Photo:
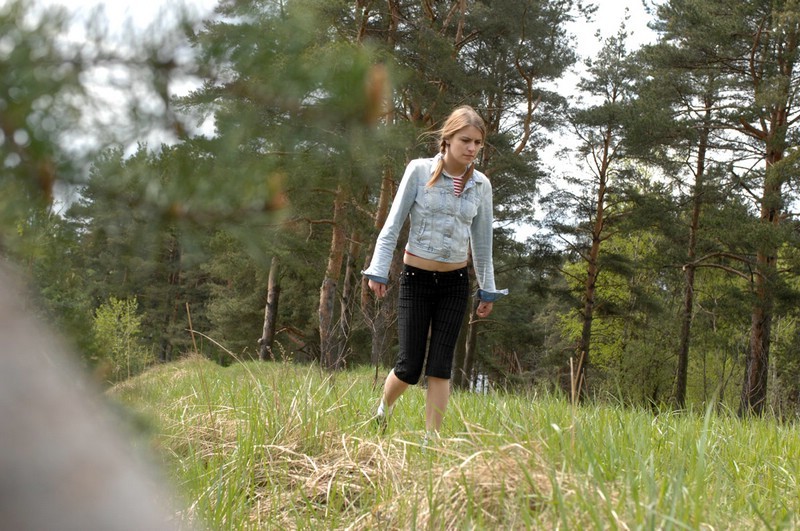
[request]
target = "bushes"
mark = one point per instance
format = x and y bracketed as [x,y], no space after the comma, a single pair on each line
[120,351]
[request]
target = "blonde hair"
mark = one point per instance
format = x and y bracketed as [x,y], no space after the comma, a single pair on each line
[460,118]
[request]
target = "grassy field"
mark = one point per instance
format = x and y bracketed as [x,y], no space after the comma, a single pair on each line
[281,446]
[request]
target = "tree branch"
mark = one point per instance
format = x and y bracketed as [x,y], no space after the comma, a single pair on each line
[720,254]
[727,269]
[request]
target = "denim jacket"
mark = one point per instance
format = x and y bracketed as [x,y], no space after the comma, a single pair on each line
[442,225]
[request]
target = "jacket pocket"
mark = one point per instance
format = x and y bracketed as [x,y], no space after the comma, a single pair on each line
[434,199]
[468,207]
[421,236]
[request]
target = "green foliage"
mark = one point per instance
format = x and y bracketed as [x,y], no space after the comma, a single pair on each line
[237,290]
[40,92]
[274,445]
[132,246]
[307,97]
[49,252]
[117,339]
[287,97]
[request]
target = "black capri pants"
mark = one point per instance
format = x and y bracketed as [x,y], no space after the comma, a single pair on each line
[434,302]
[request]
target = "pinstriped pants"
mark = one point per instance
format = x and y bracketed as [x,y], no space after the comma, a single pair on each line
[430,304]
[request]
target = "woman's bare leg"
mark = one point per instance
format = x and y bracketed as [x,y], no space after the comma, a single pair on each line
[436,403]
[392,389]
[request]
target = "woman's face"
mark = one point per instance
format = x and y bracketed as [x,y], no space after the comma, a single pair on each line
[463,146]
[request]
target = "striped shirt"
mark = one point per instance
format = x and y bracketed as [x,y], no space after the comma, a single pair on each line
[458,184]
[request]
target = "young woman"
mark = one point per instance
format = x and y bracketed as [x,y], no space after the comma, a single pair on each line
[450,206]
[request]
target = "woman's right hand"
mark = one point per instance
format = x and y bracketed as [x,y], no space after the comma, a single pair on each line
[378,288]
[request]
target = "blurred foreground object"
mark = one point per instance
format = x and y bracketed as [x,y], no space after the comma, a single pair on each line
[63,462]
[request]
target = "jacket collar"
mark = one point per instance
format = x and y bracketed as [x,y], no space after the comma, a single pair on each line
[467,185]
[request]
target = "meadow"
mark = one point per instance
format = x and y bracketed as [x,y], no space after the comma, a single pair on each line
[283,446]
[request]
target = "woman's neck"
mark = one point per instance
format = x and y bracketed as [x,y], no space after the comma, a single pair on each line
[454,170]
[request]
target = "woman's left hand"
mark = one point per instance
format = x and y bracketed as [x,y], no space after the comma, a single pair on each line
[484,309]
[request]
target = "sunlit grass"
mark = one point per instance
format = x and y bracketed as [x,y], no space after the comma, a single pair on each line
[273,445]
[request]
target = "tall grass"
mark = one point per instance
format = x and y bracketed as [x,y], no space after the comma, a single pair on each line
[273,445]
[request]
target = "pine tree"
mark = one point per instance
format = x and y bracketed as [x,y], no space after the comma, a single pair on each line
[592,197]
[753,47]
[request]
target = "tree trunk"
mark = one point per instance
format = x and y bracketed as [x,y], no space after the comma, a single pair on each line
[459,376]
[379,314]
[471,350]
[327,297]
[593,268]
[395,18]
[690,268]
[754,386]
[590,289]
[686,326]
[270,312]
[363,15]
[348,289]
[383,315]
[172,259]
[589,293]
[780,48]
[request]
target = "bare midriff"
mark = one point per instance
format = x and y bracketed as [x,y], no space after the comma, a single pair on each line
[431,265]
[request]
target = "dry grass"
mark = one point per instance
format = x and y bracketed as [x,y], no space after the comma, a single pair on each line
[370,482]
[269,446]
[492,483]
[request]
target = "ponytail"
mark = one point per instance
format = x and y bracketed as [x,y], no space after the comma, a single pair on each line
[437,172]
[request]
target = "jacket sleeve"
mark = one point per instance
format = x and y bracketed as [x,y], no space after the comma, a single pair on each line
[378,269]
[481,236]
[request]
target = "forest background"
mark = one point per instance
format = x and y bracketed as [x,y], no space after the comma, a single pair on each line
[661,268]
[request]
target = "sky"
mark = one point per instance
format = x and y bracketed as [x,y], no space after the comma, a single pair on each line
[609,16]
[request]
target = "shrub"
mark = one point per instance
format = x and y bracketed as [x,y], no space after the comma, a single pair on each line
[116,329]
